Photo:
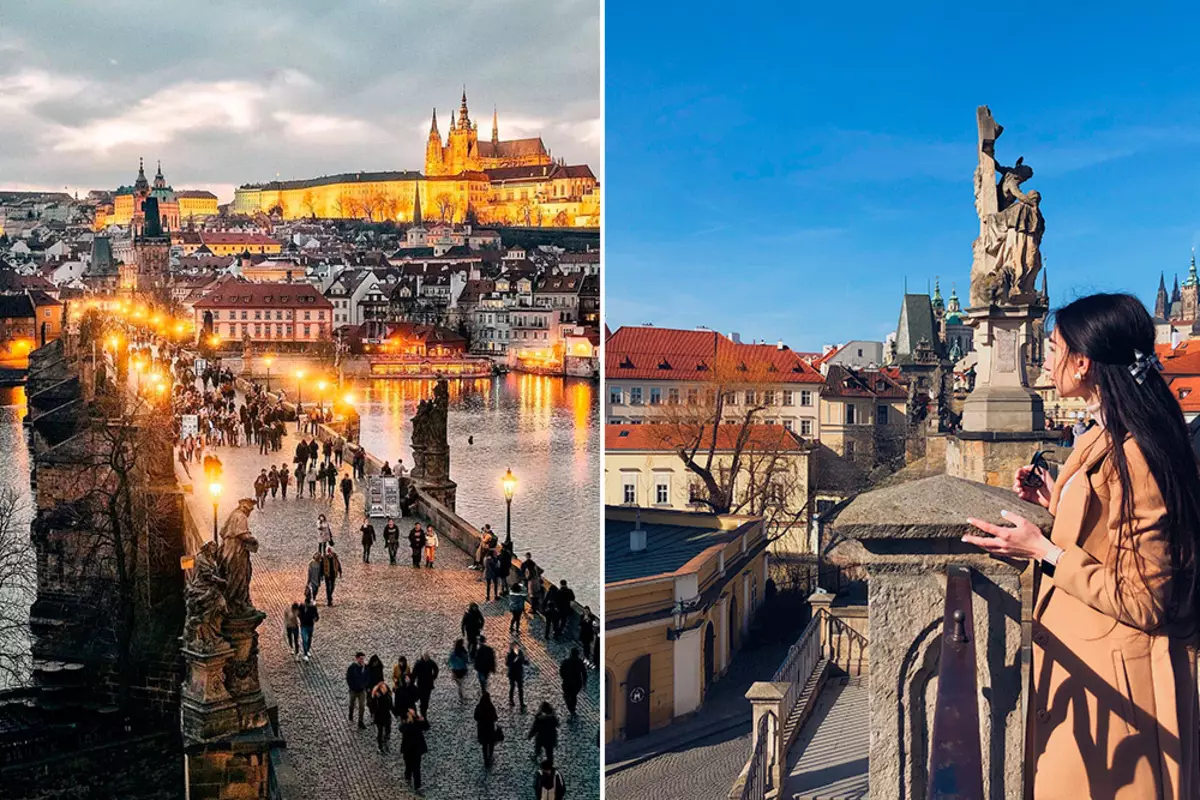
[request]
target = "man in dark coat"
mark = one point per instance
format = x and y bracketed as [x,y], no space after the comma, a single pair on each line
[331,570]
[472,625]
[425,672]
[368,539]
[416,540]
[347,490]
[485,662]
[574,677]
[356,682]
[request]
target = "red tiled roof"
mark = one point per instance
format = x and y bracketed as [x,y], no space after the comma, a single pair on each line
[1187,391]
[649,353]
[281,295]
[1182,360]
[233,238]
[845,382]
[667,438]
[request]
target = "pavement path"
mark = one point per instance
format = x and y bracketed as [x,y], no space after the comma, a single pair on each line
[829,759]
[391,611]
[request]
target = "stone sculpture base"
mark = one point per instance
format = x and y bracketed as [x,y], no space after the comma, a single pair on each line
[236,767]
[992,458]
[1002,399]
[445,491]
[209,712]
[241,672]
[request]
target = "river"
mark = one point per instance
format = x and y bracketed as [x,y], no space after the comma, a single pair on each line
[545,429]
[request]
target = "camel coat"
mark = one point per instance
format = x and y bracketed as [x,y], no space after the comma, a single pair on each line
[1113,714]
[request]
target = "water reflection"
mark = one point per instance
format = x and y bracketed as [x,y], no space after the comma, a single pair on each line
[545,429]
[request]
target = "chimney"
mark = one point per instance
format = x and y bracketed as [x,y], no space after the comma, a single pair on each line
[736,337]
[637,536]
[1174,338]
[779,346]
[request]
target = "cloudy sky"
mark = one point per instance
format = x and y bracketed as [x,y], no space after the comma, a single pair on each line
[228,92]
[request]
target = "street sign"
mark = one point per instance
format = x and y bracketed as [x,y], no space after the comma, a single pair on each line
[189,425]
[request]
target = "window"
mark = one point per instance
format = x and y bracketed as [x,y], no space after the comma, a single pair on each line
[258,313]
[306,331]
[655,396]
[635,395]
[788,398]
[769,397]
[751,397]
[731,398]
[860,352]
[770,422]
[881,415]
[693,396]
[614,395]
[629,489]
[243,315]
[662,490]
[788,425]
[849,413]
[806,398]
[308,315]
[806,427]
[672,397]
[849,449]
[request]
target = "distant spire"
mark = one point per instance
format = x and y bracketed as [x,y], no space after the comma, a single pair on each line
[1192,278]
[451,119]
[1175,291]
[937,292]
[495,126]
[141,183]
[463,117]
[433,131]
[417,221]
[1162,302]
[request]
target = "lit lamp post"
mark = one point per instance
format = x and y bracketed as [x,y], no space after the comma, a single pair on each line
[214,489]
[267,360]
[321,397]
[509,483]
[299,401]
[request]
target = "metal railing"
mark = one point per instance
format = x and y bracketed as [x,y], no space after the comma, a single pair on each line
[758,777]
[802,658]
[956,760]
[845,647]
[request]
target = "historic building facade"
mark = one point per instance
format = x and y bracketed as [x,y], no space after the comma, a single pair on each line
[174,208]
[500,182]
[1182,305]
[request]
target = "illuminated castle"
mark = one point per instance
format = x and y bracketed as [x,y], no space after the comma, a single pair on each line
[463,152]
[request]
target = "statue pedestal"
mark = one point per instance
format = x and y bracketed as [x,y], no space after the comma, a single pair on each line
[1002,400]
[907,535]
[209,712]
[241,672]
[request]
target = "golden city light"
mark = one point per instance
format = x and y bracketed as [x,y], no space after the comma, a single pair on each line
[510,484]
[214,489]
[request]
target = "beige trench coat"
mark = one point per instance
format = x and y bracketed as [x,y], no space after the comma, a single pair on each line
[1113,713]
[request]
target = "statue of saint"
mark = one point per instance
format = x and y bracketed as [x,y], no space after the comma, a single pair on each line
[1007,254]
[237,543]
[205,601]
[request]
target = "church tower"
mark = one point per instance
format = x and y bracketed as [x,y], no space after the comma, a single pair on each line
[1188,295]
[159,181]
[495,127]
[433,149]
[1162,303]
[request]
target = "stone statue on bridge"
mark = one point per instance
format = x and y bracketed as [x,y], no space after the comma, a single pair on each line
[431,446]
[205,603]
[237,543]
[1007,254]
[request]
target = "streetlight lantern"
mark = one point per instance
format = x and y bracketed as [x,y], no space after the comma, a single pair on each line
[267,361]
[214,489]
[299,397]
[509,482]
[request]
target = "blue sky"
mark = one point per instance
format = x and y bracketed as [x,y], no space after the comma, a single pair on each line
[779,169]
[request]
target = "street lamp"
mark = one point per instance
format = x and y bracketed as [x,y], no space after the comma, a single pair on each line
[321,396]
[214,489]
[509,482]
[267,360]
[299,398]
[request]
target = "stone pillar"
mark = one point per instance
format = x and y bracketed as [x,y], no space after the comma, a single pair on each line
[1002,399]
[766,698]
[241,673]
[906,535]
[208,709]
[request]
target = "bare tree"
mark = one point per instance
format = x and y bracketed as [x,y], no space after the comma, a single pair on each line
[308,203]
[17,590]
[445,206]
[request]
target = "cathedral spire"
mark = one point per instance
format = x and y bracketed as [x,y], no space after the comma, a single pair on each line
[1192,278]
[495,126]
[1162,303]
[463,116]
[452,125]
[417,221]
[938,304]
[141,183]
[433,131]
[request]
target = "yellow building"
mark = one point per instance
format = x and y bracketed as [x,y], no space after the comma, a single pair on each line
[174,208]
[680,591]
[864,415]
[514,182]
[196,205]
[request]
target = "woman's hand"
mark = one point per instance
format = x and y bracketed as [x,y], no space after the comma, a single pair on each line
[1023,540]
[1040,494]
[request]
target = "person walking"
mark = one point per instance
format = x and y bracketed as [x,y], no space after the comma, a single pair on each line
[573,673]
[566,609]
[331,570]
[368,539]
[503,570]
[548,784]
[486,731]
[313,450]
[331,479]
[324,534]
[487,541]
[491,569]
[327,449]
[300,474]
[460,661]
[413,747]
[515,663]
[406,696]
[291,626]
[536,589]
[273,481]
[587,632]
[314,576]
[391,539]
[400,671]
[374,670]
[311,477]
[472,626]
[308,620]
[301,458]
[285,477]
[544,731]
[356,683]
[425,673]
[431,545]
[1114,620]
[485,662]
[516,604]
[381,712]
[337,450]
[550,611]
[347,489]
[416,541]
[260,489]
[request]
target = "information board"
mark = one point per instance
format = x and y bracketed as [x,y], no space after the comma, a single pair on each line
[391,497]
[189,425]
[375,496]
[199,365]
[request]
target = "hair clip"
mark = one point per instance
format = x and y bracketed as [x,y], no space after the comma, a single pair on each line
[1142,362]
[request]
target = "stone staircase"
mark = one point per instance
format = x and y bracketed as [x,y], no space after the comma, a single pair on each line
[829,760]
[804,704]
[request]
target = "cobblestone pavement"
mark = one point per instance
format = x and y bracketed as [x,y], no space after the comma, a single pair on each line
[702,755]
[392,611]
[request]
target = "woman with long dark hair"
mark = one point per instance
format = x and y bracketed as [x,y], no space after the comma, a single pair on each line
[1113,712]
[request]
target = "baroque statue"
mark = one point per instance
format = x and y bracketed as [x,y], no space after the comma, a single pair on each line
[237,543]
[205,602]
[1007,254]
